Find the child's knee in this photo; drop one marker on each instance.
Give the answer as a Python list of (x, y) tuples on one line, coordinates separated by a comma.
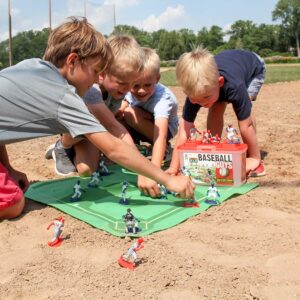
[(84, 169), (13, 211)]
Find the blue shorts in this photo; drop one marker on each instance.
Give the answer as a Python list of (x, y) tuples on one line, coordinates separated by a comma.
[(257, 82)]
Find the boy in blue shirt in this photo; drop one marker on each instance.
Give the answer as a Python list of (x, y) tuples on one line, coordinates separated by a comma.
[(150, 109), (232, 76)]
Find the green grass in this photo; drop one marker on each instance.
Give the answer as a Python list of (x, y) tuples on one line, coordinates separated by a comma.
[(280, 73), (275, 73)]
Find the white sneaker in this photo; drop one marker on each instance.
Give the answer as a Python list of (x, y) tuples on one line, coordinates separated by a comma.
[(48, 153)]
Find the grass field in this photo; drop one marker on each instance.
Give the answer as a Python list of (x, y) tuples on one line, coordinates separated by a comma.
[(275, 73)]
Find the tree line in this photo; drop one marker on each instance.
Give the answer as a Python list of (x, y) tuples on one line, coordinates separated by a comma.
[(264, 39)]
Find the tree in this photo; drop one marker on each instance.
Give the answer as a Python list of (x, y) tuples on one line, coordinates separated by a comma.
[(210, 38), (188, 39), (170, 45), (141, 36), (289, 12), (26, 44), (215, 37), (242, 35)]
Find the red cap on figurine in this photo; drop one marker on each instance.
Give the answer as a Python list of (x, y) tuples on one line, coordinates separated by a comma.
[(60, 219), (140, 240)]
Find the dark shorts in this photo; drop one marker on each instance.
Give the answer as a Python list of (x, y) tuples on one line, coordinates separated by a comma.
[(10, 192), (138, 137)]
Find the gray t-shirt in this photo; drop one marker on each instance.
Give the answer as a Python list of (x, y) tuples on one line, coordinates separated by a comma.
[(94, 95), (36, 100), (162, 104)]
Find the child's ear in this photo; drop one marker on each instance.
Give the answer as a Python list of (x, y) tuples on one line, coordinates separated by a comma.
[(158, 78), (101, 77), (71, 59), (221, 81)]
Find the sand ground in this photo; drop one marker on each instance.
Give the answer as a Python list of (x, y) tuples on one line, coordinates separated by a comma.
[(246, 248)]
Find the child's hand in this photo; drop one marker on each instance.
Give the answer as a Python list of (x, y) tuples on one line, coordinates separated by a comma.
[(20, 178), (119, 114), (172, 171), (182, 185), (148, 186)]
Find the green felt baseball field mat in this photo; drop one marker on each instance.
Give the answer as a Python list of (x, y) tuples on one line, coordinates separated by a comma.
[(100, 207)]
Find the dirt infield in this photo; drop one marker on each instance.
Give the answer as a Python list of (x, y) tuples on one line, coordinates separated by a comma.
[(246, 248)]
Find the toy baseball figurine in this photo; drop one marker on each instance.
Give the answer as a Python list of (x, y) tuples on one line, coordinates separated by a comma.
[(209, 176), (163, 192), (95, 178), (103, 168), (77, 192), (130, 259), (232, 135), (124, 199), (131, 222), (215, 139), (58, 223), (193, 134), (207, 136), (185, 171), (192, 202), (212, 195)]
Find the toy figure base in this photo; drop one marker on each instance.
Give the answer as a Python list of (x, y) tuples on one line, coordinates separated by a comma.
[(126, 264), (55, 243), (124, 202), (93, 185), (104, 173), (189, 204), (212, 202), (74, 199), (130, 231), (234, 141)]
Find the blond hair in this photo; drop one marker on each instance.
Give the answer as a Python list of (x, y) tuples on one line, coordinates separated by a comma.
[(197, 71), (78, 36), (151, 61), (128, 55)]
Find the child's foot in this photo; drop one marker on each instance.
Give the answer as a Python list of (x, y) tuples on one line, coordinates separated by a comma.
[(63, 159), (259, 171)]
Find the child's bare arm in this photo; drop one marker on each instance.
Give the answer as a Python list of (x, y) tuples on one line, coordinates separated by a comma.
[(183, 134), (130, 158), (120, 113), (108, 120), (4, 157), (146, 185), (159, 141), (248, 134)]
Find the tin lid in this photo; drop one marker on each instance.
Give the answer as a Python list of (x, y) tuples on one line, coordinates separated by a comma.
[(199, 146)]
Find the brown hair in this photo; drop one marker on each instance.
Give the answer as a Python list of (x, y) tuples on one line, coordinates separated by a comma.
[(77, 36)]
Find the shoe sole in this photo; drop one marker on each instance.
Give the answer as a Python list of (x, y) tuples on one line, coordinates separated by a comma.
[(56, 171), (253, 175), (48, 152)]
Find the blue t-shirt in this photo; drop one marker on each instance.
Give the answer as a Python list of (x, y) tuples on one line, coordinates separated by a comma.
[(239, 68), (162, 104)]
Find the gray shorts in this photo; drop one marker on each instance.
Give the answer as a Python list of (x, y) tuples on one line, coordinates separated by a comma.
[(257, 82)]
